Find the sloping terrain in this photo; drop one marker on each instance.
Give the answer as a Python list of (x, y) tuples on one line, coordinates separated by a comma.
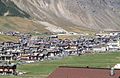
[(8, 8), (20, 24), (75, 15), (8, 38), (13, 18), (66, 15)]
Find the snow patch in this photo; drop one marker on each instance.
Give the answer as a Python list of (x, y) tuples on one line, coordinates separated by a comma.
[(7, 13)]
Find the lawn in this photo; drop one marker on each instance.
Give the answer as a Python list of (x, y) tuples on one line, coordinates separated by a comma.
[(42, 69)]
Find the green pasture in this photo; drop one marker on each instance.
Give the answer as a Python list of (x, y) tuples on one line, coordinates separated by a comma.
[(43, 69)]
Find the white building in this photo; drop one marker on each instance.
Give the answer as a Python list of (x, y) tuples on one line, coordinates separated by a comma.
[(100, 48), (112, 46), (117, 66)]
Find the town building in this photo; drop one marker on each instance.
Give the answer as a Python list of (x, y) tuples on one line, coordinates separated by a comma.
[(8, 69)]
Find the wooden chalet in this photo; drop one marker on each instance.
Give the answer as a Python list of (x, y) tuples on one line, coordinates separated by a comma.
[(8, 69), (6, 57)]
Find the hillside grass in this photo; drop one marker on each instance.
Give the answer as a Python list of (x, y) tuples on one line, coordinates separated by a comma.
[(71, 37), (20, 24), (13, 23), (5, 38), (43, 69)]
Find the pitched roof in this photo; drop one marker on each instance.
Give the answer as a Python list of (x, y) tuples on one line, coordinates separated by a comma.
[(76, 72)]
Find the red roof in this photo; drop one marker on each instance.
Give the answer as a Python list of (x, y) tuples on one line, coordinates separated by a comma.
[(76, 72)]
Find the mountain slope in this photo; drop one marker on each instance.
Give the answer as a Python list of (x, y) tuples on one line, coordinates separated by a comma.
[(12, 18), (66, 15), (4, 38), (20, 24), (8, 8), (75, 14)]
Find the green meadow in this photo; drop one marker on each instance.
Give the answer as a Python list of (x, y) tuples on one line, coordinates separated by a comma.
[(43, 69)]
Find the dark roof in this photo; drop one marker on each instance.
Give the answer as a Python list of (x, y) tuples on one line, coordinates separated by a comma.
[(79, 72)]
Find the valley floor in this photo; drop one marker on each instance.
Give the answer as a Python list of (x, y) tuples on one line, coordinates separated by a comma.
[(43, 69)]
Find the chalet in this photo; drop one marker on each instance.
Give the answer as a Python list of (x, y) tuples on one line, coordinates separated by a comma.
[(16, 52), (34, 57), (26, 49), (79, 72), (73, 46), (34, 49), (100, 48), (24, 57), (6, 57), (17, 45), (41, 57), (53, 52), (71, 51), (113, 45), (53, 37), (8, 69)]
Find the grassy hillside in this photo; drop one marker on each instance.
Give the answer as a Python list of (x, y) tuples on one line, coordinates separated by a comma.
[(25, 25), (8, 38), (42, 69), (19, 24)]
